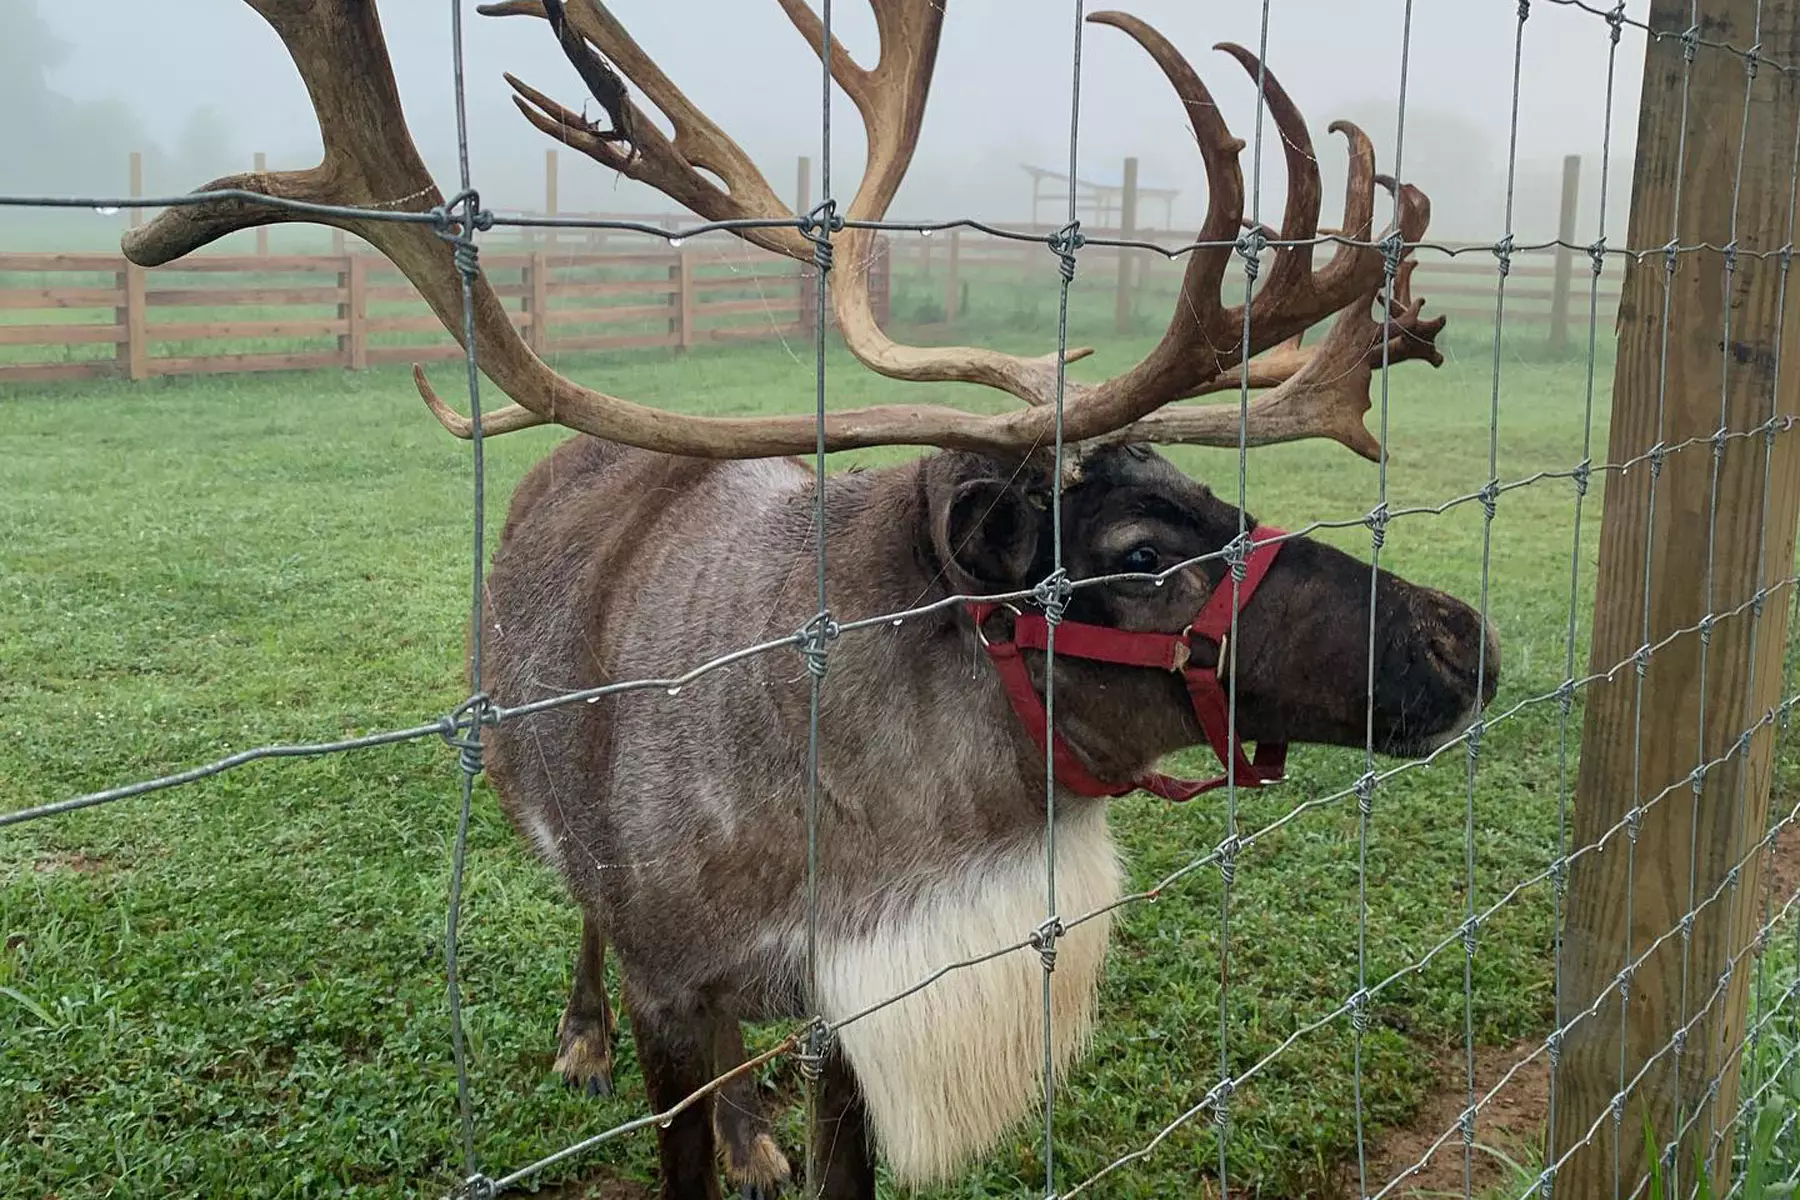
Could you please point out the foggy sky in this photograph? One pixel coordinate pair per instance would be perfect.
(1000, 95)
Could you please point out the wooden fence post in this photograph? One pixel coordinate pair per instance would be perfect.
(537, 301)
(354, 279)
(1565, 257)
(262, 231)
(1128, 198)
(337, 243)
(136, 216)
(681, 299)
(133, 352)
(1637, 783)
(952, 283)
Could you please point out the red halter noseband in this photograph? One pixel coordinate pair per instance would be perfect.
(1162, 651)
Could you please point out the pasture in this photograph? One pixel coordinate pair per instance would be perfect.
(237, 987)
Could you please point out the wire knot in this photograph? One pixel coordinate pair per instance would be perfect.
(1623, 983)
(1503, 251)
(1731, 879)
(815, 1044)
(1468, 1125)
(1634, 821)
(1565, 696)
(1730, 253)
(1472, 739)
(1546, 1182)
(1249, 246)
(1524, 10)
(1705, 629)
(1228, 851)
(1052, 595)
(1470, 928)
(476, 1187)
(1365, 793)
(1065, 243)
(1642, 660)
(1786, 256)
(1671, 257)
(1751, 57)
(1687, 928)
(1618, 1107)
(1597, 255)
(1218, 1098)
(815, 642)
(1553, 1047)
(1658, 454)
(817, 227)
(1690, 42)
(1359, 1010)
(1377, 521)
(1043, 940)
(1616, 18)
(1583, 473)
(1393, 250)
(1237, 556)
(461, 730)
(1490, 497)
(1559, 875)
(1678, 1042)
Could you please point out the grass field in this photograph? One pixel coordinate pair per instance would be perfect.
(236, 987)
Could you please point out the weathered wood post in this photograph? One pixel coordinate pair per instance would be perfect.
(1678, 844)
(1565, 257)
(262, 231)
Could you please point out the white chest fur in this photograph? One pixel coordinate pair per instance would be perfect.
(950, 1069)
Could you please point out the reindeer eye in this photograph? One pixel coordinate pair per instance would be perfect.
(1143, 558)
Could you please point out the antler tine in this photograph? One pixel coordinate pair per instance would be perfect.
(1200, 318)
(1300, 217)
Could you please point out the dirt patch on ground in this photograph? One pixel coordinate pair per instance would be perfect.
(601, 1185)
(1512, 1123)
(80, 864)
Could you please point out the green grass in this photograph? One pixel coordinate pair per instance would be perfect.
(236, 987)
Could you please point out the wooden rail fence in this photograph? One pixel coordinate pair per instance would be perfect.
(60, 313)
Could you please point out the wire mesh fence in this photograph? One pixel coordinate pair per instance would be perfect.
(1751, 927)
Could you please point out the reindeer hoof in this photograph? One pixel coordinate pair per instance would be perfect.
(760, 1170)
(584, 1056)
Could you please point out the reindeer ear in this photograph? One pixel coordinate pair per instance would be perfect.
(988, 534)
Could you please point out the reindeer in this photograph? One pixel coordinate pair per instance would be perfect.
(652, 539)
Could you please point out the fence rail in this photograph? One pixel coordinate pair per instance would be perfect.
(59, 313)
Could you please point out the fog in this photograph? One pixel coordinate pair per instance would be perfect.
(198, 86)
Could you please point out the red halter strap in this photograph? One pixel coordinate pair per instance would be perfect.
(1160, 651)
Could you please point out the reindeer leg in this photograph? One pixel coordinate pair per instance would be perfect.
(754, 1164)
(584, 1052)
(841, 1135)
(674, 1037)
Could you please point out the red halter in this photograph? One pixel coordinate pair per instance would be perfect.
(1162, 651)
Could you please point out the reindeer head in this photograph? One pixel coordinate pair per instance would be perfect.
(1153, 540)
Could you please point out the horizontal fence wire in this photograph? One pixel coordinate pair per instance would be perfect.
(460, 217)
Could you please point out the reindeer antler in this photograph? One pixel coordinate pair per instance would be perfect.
(370, 161)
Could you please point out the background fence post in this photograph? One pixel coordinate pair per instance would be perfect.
(1128, 198)
(262, 231)
(134, 351)
(681, 299)
(550, 198)
(355, 342)
(952, 282)
(1565, 257)
(136, 215)
(803, 186)
(537, 301)
(1622, 767)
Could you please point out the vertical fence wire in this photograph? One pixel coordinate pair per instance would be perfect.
(1053, 602)
(1471, 922)
(1250, 246)
(1670, 262)
(1566, 697)
(816, 651)
(1756, 618)
(470, 758)
(1377, 522)
(1729, 274)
